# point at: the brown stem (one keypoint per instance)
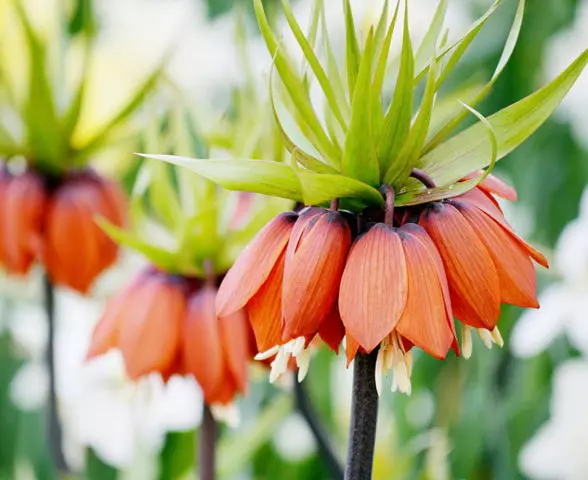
(423, 177)
(207, 445)
(390, 196)
(334, 204)
(209, 276)
(364, 418)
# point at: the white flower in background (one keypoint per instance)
(123, 421)
(563, 304)
(561, 51)
(293, 439)
(558, 450)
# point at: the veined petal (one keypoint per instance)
(265, 309)
(351, 348)
(513, 265)
(254, 265)
(332, 330)
(374, 286)
(150, 333)
(493, 185)
(472, 277)
(202, 343)
(315, 258)
(426, 321)
(235, 342)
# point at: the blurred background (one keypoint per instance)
(511, 413)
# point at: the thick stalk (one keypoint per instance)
(207, 445)
(54, 435)
(304, 406)
(364, 416)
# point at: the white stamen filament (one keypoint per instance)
(295, 348)
(466, 341)
(491, 337)
(392, 356)
(497, 336)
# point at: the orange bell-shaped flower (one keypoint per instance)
(76, 250)
(22, 210)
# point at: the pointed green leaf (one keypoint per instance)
(353, 54)
(295, 87)
(409, 155)
(458, 48)
(257, 176)
(314, 63)
(430, 41)
(359, 158)
(399, 114)
(381, 28)
(509, 46)
(466, 151)
(298, 154)
(159, 256)
(318, 188)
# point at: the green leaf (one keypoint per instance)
(353, 54)
(397, 120)
(298, 155)
(507, 52)
(381, 28)
(177, 458)
(296, 89)
(318, 188)
(314, 63)
(257, 176)
(430, 41)
(409, 155)
(459, 47)
(359, 158)
(158, 256)
(96, 469)
(466, 151)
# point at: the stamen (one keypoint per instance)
(267, 354)
(466, 341)
(497, 337)
(486, 338)
(392, 356)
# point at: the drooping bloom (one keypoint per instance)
(287, 280)
(486, 262)
(22, 215)
(167, 324)
(394, 294)
(71, 216)
(54, 220)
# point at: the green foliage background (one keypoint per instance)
(488, 406)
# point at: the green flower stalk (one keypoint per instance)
(403, 234)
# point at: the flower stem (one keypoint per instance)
(53, 426)
(304, 406)
(207, 445)
(423, 177)
(364, 416)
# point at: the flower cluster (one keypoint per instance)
(41, 217)
(167, 324)
(393, 282)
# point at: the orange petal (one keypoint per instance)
(374, 286)
(254, 265)
(481, 201)
(235, 340)
(70, 220)
(472, 277)
(351, 348)
(493, 185)
(265, 309)
(514, 268)
(315, 259)
(332, 330)
(22, 221)
(105, 335)
(426, 320)
(202, 343)
(150, 333)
